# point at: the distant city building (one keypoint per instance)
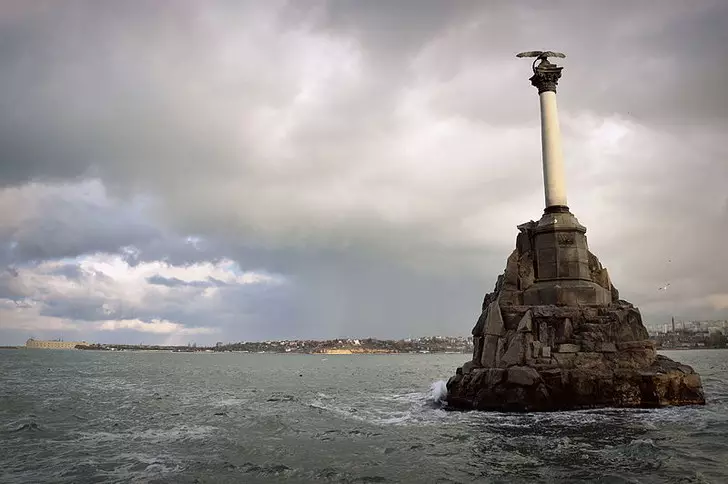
(53, 345)
(690, 327)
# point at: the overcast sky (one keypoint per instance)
(177, 171)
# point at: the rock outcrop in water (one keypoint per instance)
(554, 335)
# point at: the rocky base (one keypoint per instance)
(564, 356)
(525, 389)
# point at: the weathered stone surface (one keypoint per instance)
(512, 315)
(526, 274)
(547, 389)
(635, 358)
(510, 277)
(536, 349)
(515, 353)
(477, 349)
(510, 297)
(685, 369)
(455, 380)
(606, 347)
(564, 360)
(479, 327)
(615, 294)
(631, 345)
(510, 293)
(494, 320)
(566, 292)
(589, 360)
(523, 375)
(526, 324)
(500, 352)
(489, 351)
(529, 339)
(524, 239)
(628, 325)
(542, 364)
(564, 343)
(568, 348)
(591, 336)
(544, 335)
(587, 345)
(486, 377)
(494, 376)
(692, 381)
(565, 331)
(601, 276)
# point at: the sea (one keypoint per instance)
(119, 417)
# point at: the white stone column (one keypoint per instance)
(553, 159)
(545, 78)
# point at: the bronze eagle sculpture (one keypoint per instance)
(541, 55)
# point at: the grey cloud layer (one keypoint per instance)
(48, 222)
(380, 157)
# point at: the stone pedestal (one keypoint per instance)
(562, 271)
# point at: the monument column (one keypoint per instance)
(563, 272)
(545, 79)
(554, 334)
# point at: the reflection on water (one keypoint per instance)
(70, 416)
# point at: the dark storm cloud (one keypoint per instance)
(656, 63)
(69, 220)
(243, 313)
(80, 90)
(83, 310)
(394, 30)
(111, 87)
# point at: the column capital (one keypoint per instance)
(546, 76)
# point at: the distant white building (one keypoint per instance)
(53, 345)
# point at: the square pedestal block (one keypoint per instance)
(560, 247)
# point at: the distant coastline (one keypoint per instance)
(430, 344)
(423, 345)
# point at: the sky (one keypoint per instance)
(184, 171)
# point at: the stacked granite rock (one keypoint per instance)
(559, 339)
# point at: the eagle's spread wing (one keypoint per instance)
(541, 54)
(531, 53)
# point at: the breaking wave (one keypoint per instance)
(438, 394)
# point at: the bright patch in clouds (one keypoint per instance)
(155, 326)
(124, 274)
(103, 292)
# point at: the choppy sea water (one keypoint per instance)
(82, 416)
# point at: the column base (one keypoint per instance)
(556, 209)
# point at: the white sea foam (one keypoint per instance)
(394, 409)
(438, 392)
